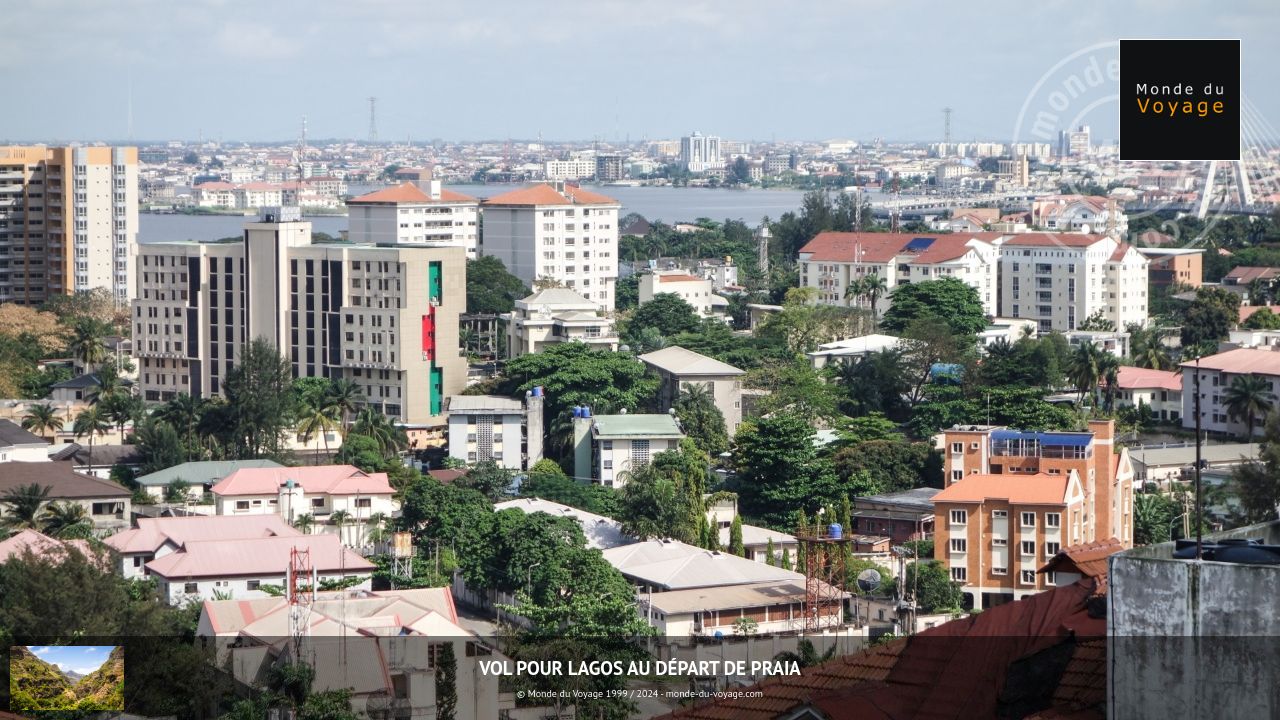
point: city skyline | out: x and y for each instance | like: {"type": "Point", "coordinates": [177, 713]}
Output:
{"type": "Point", "coordinates": [611, 71]}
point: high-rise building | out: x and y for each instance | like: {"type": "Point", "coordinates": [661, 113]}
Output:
{"type": "Point", "coordinates": [700, 152]}
{"type": "Point", "coordinates": [1075, 143]}
{"type": "Point", "coordinates": [556, 232]}
{"type": "Point", "coordinates": [608, 168]}
{"type": "Point", "coordinates": [413, 215]}
{"type": "Point", "coordinates": [385, 318]}
{"type": "Point", "coordinates": [68, 221]}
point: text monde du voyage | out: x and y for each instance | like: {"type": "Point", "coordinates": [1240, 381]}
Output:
{"type": "Point", "coordinates": [1180, 99]}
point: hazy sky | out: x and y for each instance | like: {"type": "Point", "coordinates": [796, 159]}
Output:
{"type": "Point", "coordinates": [569, 69]}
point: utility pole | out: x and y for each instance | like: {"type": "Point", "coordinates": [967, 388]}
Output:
{"type": "Point", "coordinates": [946, 126]}
{"type": "Point", "coordinates": [1199, 499]}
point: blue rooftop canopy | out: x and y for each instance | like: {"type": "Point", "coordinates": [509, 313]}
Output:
{"type": "Point", "coordinates": [1044, 438]}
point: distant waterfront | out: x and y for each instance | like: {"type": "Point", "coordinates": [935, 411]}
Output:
{"type": "Point", "coordinates": [668, 204]}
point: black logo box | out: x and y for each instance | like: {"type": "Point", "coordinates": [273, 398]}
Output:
{"type": "Point", "coordinates": [1187, 69]}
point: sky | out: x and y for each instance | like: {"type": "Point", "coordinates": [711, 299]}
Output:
{"type": "Point", "coordinates": [574, 69]}
{"type": "Point", "coordinates": [83, 659]}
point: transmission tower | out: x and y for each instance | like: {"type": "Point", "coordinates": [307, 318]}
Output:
{"type": "Point", "coordinates": [824, 550]}
{"type": "Point", "coordinates": [946, 126]}
{"type": "Point", "coordinates": [373, 119]}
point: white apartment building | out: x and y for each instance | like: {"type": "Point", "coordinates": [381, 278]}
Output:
{"type": "Point", "coordinates": [501, 429]}
{"type": "Point", "coordinates": [1160, 391]}
{"type": "Point", "coordinates": [1061, 279]}
{"type": "Point", "coordinates": [407, 215]}
{"type": "Point", "coordinates": [699, 153]}
{"type": "Point", "coordinates": [383, 317]}
{"type": "Point", "coordinates": [68, 221]}
{"type": "Point", "coordinates": [556, 315]}
{"type": "Point", "coordinates": [832, 261]}
{"type": "Point", "coordinates": [679, 368]}
{"type": "Point", "coordinates": [1079, 214]}
{"type": "Point", "coordinates": [607, 447]}
{"type": "Point", "coordinates": [556, 232]}
{"type": "Point", "coordinates": [1216, 374]}
{"type": "Point", "coordinates": [696, 291]}
{"type": "Point", "coordinates": [578, 168]}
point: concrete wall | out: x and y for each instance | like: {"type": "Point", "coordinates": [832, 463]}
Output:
{"type": "Point", "coordinates": [1193, 639]}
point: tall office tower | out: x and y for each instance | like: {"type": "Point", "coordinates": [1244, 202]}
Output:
{"type": "Point", "coordinates": [700, 152]}
{"type": "Point", "coordinates": [556, 232]}
{"type": "Point", "coordinates": [68, 221]}
{"type": "Point", "coordinates": [385, 318]}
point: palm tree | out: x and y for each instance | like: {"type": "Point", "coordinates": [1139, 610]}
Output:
{"type": "Point", "coordinates": [86, 344]}
{"type": "Point", "coordinates": [345, 397]}
{"type": "Point", "coordinates": [1111, 376]}
{"type": "Point", "coordinates": [1148, 348]}
{"type": "Point", "coordinates": [108, 383]}
{"type": "Point", "coordinates": [91, 421]}
{"type": "Point", "coordinates": [855, 289]}
{"type": "Point", "coordinates": [317, 420]}
{"type": "Point", "coordinates": [304, 523]}
{"type": "Point", "coordinates": [66, 520]}
{"type": "Point", "coordinates": [376, 528]}
{"type": "Point", "coordinates": [806, 654]}
{"type": "Point", "coordinates": [183, 412]}
{"type": "Point", "coordinates": [340, 519]}
{"type": "Point", "coordinates": [873, 286]}
{"type": "Point", "coordinates": [24, 504]}
{"type": "Point", "coordinates": [42, 419]}
{"type": "Point", "coordinates": [1248, 396]}
{"type": "Point", "coordinates": [121, 408]}
{"type": "Point", "coordinates": [1087, 368]}
{"type": "Point", "coordinates": [370, 421]}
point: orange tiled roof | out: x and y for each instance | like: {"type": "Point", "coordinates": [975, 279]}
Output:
{"type": "Point", "coordinates": [409, 193]}
{"type": "Point", "coordinates": [1241, 361]}
{"type": "Point", "coordinates": [1037, 489]}
{"type": "Point", "coordinates": [833, 246]}
{"type": "Point", "coordinates": [1088, 559]}
{"type": "Point", "coordinates": [678, 278]}
{"type": "Point", "coordinates": [544, 194]}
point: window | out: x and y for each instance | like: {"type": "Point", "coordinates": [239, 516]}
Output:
{"type": "Point", "coordinates": [1053, 520]}
{"type": "Point", "coordinates": [1028, 519]}
{"type": "Point", "coordinates": [957, 475]}
{"type": "Point", "coordinates": [191, 588]}
{"type": "Point", "coordinates": [364, 502]}
{"type": "Point", "coordinates": [959, 574]}
{"type": "Point", "coordinates": [137, 561]}
{"type": "Point", "coordinates": [606, 444]}
{"type": "Point", "coordinates": [999, 542]}
{"type": "Point", "coordinates": [999, 514]}
{"type": "Point", "coordinates": [959, 545]}
{"type": "Point", "coordinates": [1029, 547]}
{"type": "Point", "coordinates": [317, 502]}
{"type": "Point", "coordinates": [253, 584]}
{"type": "Point", "coordinates": [242, 505]}
{"type": "Point", "coordinates": [608, 464]}
{"type": "Point", "coordinates": [999, 571]}
{"type": "Point", "coordinates": [1051, 549]}
{"type": "Point", "coordinates": [957, 447]}
{"type": "Point", "coordinates": [959, 517]}
{"type": "Point", "coordinates": [1028, 577]}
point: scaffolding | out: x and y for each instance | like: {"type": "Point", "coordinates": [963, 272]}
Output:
{"type": "Point", "coordinates": [824, 556]}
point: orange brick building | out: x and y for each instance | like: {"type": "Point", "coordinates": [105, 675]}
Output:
{"type": "Point", "coordinates": [1014, 498]}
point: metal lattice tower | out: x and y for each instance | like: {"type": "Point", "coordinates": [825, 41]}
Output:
{"type": "Point", "coordinates": [946, 125]}
{"type": "Point", "coordinates": [373, 119]}
{"type": "Point", "coordinates": [301, 597]}
{"type": "Point", "coordinates": [824, 555]}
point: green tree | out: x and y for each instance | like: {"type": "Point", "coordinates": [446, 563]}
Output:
{"type": "Point", "coordinates": [932, 587]}
{"type": "Point", "coordinates": [1257, 484]}
{"type": "Point", "coordinates": [667, 313]}
{"type": "Point", "coordinates": [1262, 319]}
{"type": "Point", "coordinates": [159, 445]}
{"type": "Point", "coordinates": [373, 423]}
{"type": "Point", "coordinates": [626, 293]}
{"type": "Point", "coordinates": [183, 413]}
{"type": "Point", "coordinates": [87, 345]}
{"type": "Point", "coordinates": [446, 683]}
{"type": "Point", "coordinates": [779, 470]}
{"type": "Point", "coordinates": [1153, 517]}
{"type": "Point", "coordinates": [795, 386]}
{"type": "Point", "coordinates": [805, 655]}
{"type": "Point", "coordinates": [176, 491]}
{"type": "Point", "coordinates": [547, 481]}
{"type": "Point", "coordinates": [345, 398]}
{"type": "Point", "coordinates": [1209, 319]}
{"type": "Point", "coordinates": [875, 383]}
{"type": "Point", "coordinates": [1248, 397]}
{"type": "Point", "coordinates": [488, 478]}
{"type": "Point", "coordinates": [927, 342]}
{"type": "Point", "coordinates": [361, 451]}
{"type": "Point", "coordinates": [663, 499]}
{"type": "Point", "coordinates": [328, 705]}
{"type": "Point", "coordinates": [91, 422]}
{"type": "Point", "coordinates": [1098, 322]}
{"type": "Point", "coordinates": [700, 419]}
{"type": "Point", "coordinates": [1148, 347]}
{"type": "Point", "coordinates": [888, 466]}
{"type": "Point", "coordinates": [735, 537]}
{"type": "Point", "coordinates": [66, 520]}
{"type": "Point", "coordinates": [258, 392]}
{"type": "Point", "coordinates": [305, 523]}
{"type": "Point", "coordinates": [949, 299]}
{"type": "Point", "coordinates": [491, 289]}
{"type": "Point", "coordinates": [44, 420]}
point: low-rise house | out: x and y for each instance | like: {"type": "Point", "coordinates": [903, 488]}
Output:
{"type": "Point", "coordinates": [199, 475]}
{"type": "Point", "coordinates": [606, 447]}
{"type": "Point", "coordinates": [19, 445]}
{"type": "Point", "coordinates": [556, 315]}
{"type": "Point", "coordinates": [602, 532]}
{"type": "Point", "coordinates": [320, 491]}
{"type": "Point", "coordinates": [1216, 373]}
{"type": "Point", "coordinates": [385, 648]}
{"type": "Point", "coordinates": [1113, 342]}
{"type": "Point", "coordinates": [756, 542]}
{"type": "Point", "coordinates": [901, 516]}
{"type": "Point", "coordinates": [1163, 465]}
{"type": "Point", "coordinates": [695, 290]}
{"type": "Point", "coordinates": [106, 502]}
{"type": "Point", "coordinates": [1160, 391]}
{"type": "Point", "coordinates": [41, 546]}
{"type": "Point", "coordinates": [102, 461]}
{"type": "Point", "coordinates": [851, 350]}
{"type": "Point", "coordinates": [157, 537]}
{"type": "Point", "coordinates": [488, 427]}
{"type": "Point", "coordinates": [237, 569]}
{"type": "Point", "coordinates": [679, 369]}
{"type": "Point", "coordinates": [81, 387]}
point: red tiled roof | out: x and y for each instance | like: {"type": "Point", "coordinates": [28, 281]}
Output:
{"type": "Point", "coordinates": [544, 194]}
{"type": "Point", "coordinates": [1244, 274]}
{"type": "Point", "coordinates": [882, 247]}
{"type": "Point", "coordinates": [1088, 559]}
{"type": "Point", "coordinates": [409, 193]}
{"type": "Point", "coordinates": [678, 278]}
{"type": "Point", "coordinates": [1241, 361]}
{"type": "Point", "coordinates": [325, 479]}
{"type": "Point", "coordinates": [446, 475]}
{"type": "Point", "coordinates": [1135, 378]}
{"type": "Point", "coordinates": [1037, 489]}
{"type": "Point", "coordinates": [1121, 250]}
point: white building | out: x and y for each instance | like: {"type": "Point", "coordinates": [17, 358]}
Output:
{"type": "Point", "coordinates": [606, 447]}
{"type": "Point", "coordinates": [385, 318]}
{"type": "Point", "coordinates": [1160, 391]}
{"type": "Point", "coordinates": [1079, 213]}
{"type": "Point", "coordinates": [679, 369]}
{"type": "Point", "coordinates": [157, 537]}
{"type": "Point", "coordinates": [602, 532]}
{"type": "Point", "coordinates": [833, 261]}
{"type": "Point", "coordinates": [406, 215]}
{"type": "Point", "coordinates": [557, 232]}
{"type": "Point", "coordinates": [318, 491]}
{"type": "Point", "coordinates": [1061, 279]}
{"type": "Point", "coordinates": [19, 445]}
{"type": "Point", "coordinates": [501, 429]}
{"type": "Point", "coordinates": [1216, 373]}
{"type": "Point", "coordinates": [696, 291]}
{"type": "Point", "coordinates": [556, 315]}
{"type": "Point", "coordinates": [851, 350]}
{"type": "Point", "coordinates": [699, 153]}
{"type": "Point", "coordinates": [578, 168]}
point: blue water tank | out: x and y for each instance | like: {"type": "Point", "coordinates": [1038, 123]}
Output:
{"type": "Point", "coordinates": [835, 531]}
{"type": "Point", "coordinates": [537, 391]}
{"type": "Point", "coordinates": [586, 411]}
{"type": "Point", "coordinates": [577, 411]}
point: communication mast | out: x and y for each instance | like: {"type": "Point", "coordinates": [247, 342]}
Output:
{"type": "Point", "coordinates": [373, 119]}
{"type": "Point", "coordinates": [946, 126]}
{"type": "Point", "coordinates": [895, 215]}
{"type": "Point", "coordinates": [301, 590]}
{"type": "Point", "coordinates": [762, 245]}
{"type": "Point", "coordinates": [823, 551]}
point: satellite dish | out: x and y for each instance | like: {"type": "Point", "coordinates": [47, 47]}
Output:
{"type": "Point", "coordinates": [869, 579]}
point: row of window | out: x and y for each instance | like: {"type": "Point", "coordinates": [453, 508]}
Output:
{"type": "Point", "coordinates": [1028, 547]}
{"type": "Point", "coordinates": [1052, 520]}
{"type": "Point", "coordinates": [1027, 577]}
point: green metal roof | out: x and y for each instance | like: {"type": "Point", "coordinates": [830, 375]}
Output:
{"type": "Point", "coordinates": [640, 426]}
{"type": "Point", "coordinates": [200, 473]}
